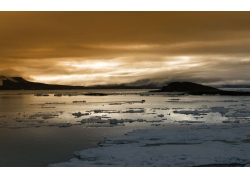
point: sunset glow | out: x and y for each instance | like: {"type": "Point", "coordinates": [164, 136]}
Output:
{"type": "Point", "coordinates": [86, 48]}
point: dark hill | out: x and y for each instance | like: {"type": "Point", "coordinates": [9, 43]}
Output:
{"type": "Point", "coordinates": [187, 87]}
{"type": "Point", "coordinates": [198, 89]}
{"type": "Point", "coordinates": [18, 83]}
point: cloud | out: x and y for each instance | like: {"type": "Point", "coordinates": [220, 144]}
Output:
{"type": "Point", "coordinates": [66, 47]}
{"type": "Point", "coordinates": [10, 72]}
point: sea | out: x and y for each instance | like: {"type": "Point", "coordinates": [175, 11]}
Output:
{"type": "Point", "coordinates": [39, 128]}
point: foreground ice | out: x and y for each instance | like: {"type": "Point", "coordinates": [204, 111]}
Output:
{"type": "Point", "coordinates": [201, 145]}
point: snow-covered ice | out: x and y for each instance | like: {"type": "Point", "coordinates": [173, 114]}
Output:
{"type": "Point", "coordinates": [186, 146]}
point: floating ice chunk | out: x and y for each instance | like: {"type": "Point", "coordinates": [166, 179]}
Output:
{"type": "Point", "coordinates": [96, 119]}
{"type": "Point", "coordinates": [156, 124]}
{"type": "Point", "coordinates": [48, 116]}
{"type": "Point", "coordinates": [226, 121]}
{"type": "Point", "coordinates": [42, 115]}
{"type": "Point", "coordinates": [126, 120]}
{"type": "Point", "coordinates": [79, 114]}
{"type": "Point", "coordinates": [41, 94]}
{"type": "Point", "coordinates": [165, 108]}
{"type": "Point", "coordinates": [115, 103]}
{"type": "Point", "coordinates": [79, 101]}
{"type": "Point", "coordinates": [134, 111]}
{"type": "Point", "coordinates": [113, 121]}
{"type": "Point", "coordinates": [55, 103]}
{"type": "Point", "coordinates": [59, 95]}
{"type": "Point", "coordinates": [105, 111]}
{"type": "Point", "coordinates": [96, 94]}
{"type": "Point", "coordinates": [189, 121]}
{"type": "Point", "coordinates": [194, 112]}
{"type": "Point", "coordinates": [154, 121]}
{"type": "Point", "coordinates": [59, 124]}
{"type": "Point", "coordinates": [98, 111]}
{"type": "Point", "coordinates": [140, 120]}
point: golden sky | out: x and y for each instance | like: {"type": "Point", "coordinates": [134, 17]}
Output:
{"type": "Point", "coordinates": [89, 48]}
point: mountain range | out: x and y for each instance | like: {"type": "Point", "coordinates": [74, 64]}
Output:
{"type": "Point", "coordinates": [19, 83]}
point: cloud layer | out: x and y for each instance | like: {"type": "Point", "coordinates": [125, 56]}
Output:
{"type": "Point", "coordinates": [87, 48]}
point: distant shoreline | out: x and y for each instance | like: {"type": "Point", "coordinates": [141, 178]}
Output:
{"type": "Point", "coordinates": [198, 89]}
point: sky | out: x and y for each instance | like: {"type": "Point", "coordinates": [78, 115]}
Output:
{"type": "Point", "coordinates": [98, 48]}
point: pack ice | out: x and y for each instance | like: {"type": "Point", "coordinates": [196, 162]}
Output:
{"type": "Point", "coordinates": [205, 145]}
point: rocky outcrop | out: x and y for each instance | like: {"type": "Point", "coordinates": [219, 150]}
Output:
{"type": "Point", "coordinates": [187, 87]}
{"type": "Point", "coordinates": [198, 89]}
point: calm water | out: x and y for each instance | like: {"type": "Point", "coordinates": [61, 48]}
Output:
{"type": "Point", "coordinates": [41, 130]}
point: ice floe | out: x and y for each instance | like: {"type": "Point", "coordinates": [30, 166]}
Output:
{"type": "Point", "coordinates": [79, 114]}
{"type": "Point", "coordinates": [139, 110]}
{"type": "Point", "coordinates": [41, 94]}
{"type": "Point", "coordinates": [196, 146]}
{"type": "Point", "coordinates": [94, 119]}
{"type": "Point", "coordinates": [59, 94]}
{"type": "Point", "coordinates": [79, 101]}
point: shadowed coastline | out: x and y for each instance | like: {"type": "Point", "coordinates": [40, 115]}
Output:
{"type": "Point", "coordinates": [19, 83]}
{"type": "Point", "coordinates": [198, 89]}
